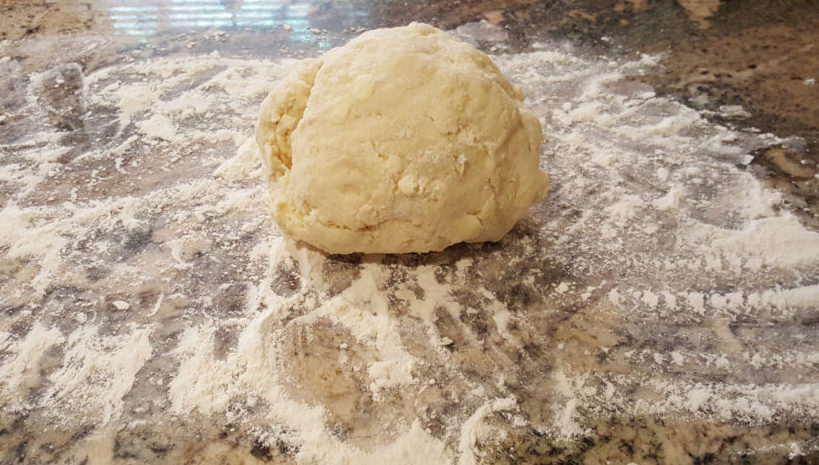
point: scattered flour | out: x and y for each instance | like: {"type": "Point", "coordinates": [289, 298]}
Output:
{"type": "Point", "coordinates": [158, 280]}
{"type": "Point", "coordinates": [158, 126]}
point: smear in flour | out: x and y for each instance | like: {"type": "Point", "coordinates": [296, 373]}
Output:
{"type": "Point", "coordinates": [143, 282]}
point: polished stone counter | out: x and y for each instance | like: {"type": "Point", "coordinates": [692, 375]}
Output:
{"type": "Point", "coordinates": [660, 306]}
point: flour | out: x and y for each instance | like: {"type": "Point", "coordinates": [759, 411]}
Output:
{"type": "Point", "coordinates": [143, 279]}
{"type": "Point", "coordinates": [23, 370]}
{"type": "Point", "coordinates": [566, 410]}
{"type": "Point", "coordinates": [158, 126]}
{"type": "Point", "coordinates": [474, 429]}
{"type": "Point", "coordinates": [778, 242]}
{"type": "Point", "coordinates": [97, 372]}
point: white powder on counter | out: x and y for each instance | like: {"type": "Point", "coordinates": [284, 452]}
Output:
{"type": "Point", "coordinates": [145, 282]}
{"type": "Point", "coordinates": [97, 372]}
{"type": "Point", "coordinates": [474, 429]}
{"type": "Point", "coordinates": [22, 371]}
{"type": "Point", "coordinates": [158, 126]}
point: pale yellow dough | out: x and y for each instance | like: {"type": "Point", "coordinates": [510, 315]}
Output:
{"type": "Point", "coordinates": [403, 140]}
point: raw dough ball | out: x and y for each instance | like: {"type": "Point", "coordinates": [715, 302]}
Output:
{"type": "Point", "coordinates": [403, 140]}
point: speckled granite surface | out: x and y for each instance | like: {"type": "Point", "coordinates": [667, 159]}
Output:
{"type": "Point", "coordinates": [659, 307]}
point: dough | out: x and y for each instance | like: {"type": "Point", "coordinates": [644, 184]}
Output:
{"type": "Point", "coordinates": [403, 140]}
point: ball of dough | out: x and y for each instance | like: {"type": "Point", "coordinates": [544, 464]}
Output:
{"type": "Point", "coordinates": [403, 140]}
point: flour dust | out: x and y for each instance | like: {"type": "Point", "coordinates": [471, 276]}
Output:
{"type": "Point", "coordinates": [148, 300]}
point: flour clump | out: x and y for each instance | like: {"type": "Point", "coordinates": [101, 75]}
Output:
{"type": "Point", "coordinates": [403, 140]}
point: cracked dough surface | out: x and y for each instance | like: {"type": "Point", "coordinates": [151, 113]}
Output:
{"type": "Point", "coordinates": [403, 140]}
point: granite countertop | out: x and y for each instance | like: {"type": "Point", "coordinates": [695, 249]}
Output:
{"type": "Point", "coordinates": [659, 306]}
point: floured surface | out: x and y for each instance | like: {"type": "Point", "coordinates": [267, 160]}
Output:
{"type": "Point", "coordinates": [659, 305]}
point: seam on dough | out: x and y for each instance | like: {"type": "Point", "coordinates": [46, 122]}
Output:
{"type": "Point", "coordinates": [368, 228]}
{"type": "Point", "coordinates": [301, 115]}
